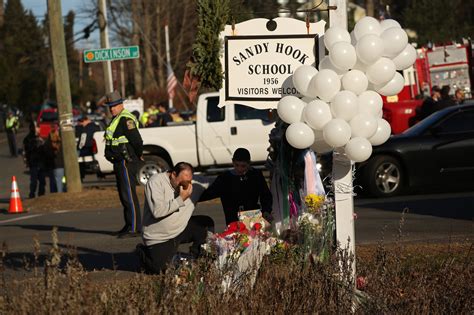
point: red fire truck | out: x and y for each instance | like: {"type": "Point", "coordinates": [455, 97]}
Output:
{"type": "Point", "coordinates": [451, 65]}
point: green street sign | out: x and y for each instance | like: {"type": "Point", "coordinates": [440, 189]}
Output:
{"type": "Point", "coordinates": [106, 54]}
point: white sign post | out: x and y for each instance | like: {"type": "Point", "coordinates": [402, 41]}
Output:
{"type": "Point", "coordinates": [261, 55]}
{"type": "Point", "coordinates": [342, 167]}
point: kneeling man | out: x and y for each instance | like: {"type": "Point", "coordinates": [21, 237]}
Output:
{"type": "Point", "coordinates": [167, 218]}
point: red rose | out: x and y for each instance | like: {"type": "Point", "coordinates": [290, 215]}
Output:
{"type": "Point", "coordinates": [361, 283]}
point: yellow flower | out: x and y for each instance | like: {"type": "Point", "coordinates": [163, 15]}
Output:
{"type": "Point", "coordinates": [313, 202]}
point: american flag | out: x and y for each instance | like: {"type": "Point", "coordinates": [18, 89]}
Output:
{"type": "Point", "coordinates": [171, 82]}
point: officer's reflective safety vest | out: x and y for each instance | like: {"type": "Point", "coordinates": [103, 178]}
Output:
{"type": "Point", "coordinates": [109, 132]}
{"type": "Point", "coordinates": [11, 122]}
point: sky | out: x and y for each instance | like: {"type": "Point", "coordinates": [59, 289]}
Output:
{"type": "Point", "coordinates": [39, 8]}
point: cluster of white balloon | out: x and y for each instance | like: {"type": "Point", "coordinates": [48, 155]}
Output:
{"type": "Point", "coordinates": [342, 106]}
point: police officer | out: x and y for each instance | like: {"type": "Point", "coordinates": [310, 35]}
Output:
{"type": "Point", "coordinates": [11, 125]}
{"type": "Point", "coordinates": [124, 147]}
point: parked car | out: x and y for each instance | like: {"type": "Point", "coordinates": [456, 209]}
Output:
{"type": "Point", "coordinates": [436, 152]}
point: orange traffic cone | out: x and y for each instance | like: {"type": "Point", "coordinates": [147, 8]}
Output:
{"type": "Point", "coordinates": [15, 200]}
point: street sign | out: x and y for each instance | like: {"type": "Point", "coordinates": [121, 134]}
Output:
{"type": "Point", "coordinates": [111, 54]}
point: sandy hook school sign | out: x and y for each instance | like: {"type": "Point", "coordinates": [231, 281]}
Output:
{"type": "Point", "coordinates": [258, 63]}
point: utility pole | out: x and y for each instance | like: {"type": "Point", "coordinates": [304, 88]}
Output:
{"type": "Point", "coordinates": [104, 43]}
{"type": "Point", "coordinates": [63, 95]}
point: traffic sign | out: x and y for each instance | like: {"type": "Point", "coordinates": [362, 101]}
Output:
{"type": "Point", "coordinates": [116, 53]}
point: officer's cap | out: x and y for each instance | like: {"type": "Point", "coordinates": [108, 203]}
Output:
{"type": "Point", "coordinates": [113, 98]}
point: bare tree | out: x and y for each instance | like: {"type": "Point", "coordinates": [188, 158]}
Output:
{"type": "Point", "coordinates": [137, 67]}
{"type": "Point", "coordinates": [160, 54]}
{"type": "Point", "coordinates": [150, 84]}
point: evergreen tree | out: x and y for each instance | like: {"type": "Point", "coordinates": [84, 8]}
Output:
{"type": "Point", "coordinates": [22, 55]}
{"type": "Point", "coordinates": [206, 65]}
{"type": "Point", "coordinates": [437, 21]}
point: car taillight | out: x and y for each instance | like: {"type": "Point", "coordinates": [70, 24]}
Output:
{"type": "Point", "coordinates": [94, 146]}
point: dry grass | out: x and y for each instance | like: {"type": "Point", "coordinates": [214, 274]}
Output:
{"type": "Point", "coordinates": [421, 279]}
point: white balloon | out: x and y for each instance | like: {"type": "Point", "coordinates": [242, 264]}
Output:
{"type": "Point", "coordinates": [360, 66]}
{"type": "Point", "coordinates": [326, 84]}
{"type": "Point", "coordinates": [319, 145]}
{"type": "Point", "coordinates": [355, 81]}
{"type": "Point", "coordinates": [326, 63]}
{"type": "Point", "coordinates": [337, 132]}
{"type": "Point", "coordinates": [343, 55]}
{"type": "Point", "coordinates": [290, 109]}
{"type": "Point", "coordinates": [382, 134]}
{"type": "Point", "coordinates": [395, 40]}
{"type": "Point", "coordinates": [369, 48]}
{"type": "Point", "coordinates": [406, 58]}
{"type": "Point", "coordinates": [393, 87]}
{"type": "Point", "coordinates": [388, 23]}
{"type": "Point", "coordinates": [379, 114]}
{"type": "Point", "coordinates": [307, 99]}
{"type": "Point", "coordinates": [358, 149]}
{"type": "Point", "coordinates": [367, 25]}
{"type": "Point", "coordinates": [344, 105]}
{"type": "Point", "coordinates": [353, 39]}
{"type": "Point", "coordinates": [317, 114]}
{"type": "Point", "coordinates": [299, 135]}
{"type": "Point", "coordinates": [381, 71]}
{"type": "Point", "coordinates": [301, 78]}
{"type": "Point", "coordinates": [363, 125]}
{"type": "Point", "coordinates": [334, 35]}
{"type": "Point", "coordinates": [370, 102]}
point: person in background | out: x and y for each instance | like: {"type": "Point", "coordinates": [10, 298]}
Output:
{"type": "Point", "coordinates": [54, 152]}
{"type": "Point", "coordinates": [11, 126]}
{"type": "Point", "coordinates": [241, 188]}
{"type": "Point", "coordinates": [124, 149]}
{"type": "Point", "coordinates": [85, 145]}
{"type": "Point", "coordinates": [33, 152]}
{"type": "Point", "coordinates": [175, 116]}
{"type": "Point", "coordinates": [459, 97]}
{"type": "Point", "coordinates": [163, 116]}
{"type": "Point", "coordinates": [445, 100]}
{"type": "Point", "coordinates": [145, 119]}
{"type": "Point", "coordinates": [153, 121]}
{"type": "Point", "coordinates": [168, 220]}
{"type": "Point", "coordinates": [429, 105]}
{"type": "Point", "coordinates": [136, 113]}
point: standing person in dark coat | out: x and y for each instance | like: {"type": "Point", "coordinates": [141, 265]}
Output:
{"type": "Point", "coordinates": [54, 152]}
{"type": "Point", "coordinates": [446, 99]}
{"type": "Point", "coordinates": [85, 145]}
{"type": "Point", "coordinates": [124, 149]}
{"type": "Point", "coordinates": [429, 105]}
{"type": "Point", "coordinates": [33, 149]}
{"type": "Point", "coordinates": [242, 188]}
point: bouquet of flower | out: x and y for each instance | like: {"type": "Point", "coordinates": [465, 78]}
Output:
{"type": "Point", "coordinates": [314, 203]}
{"type": "Point", "coordinates": [317, 226]}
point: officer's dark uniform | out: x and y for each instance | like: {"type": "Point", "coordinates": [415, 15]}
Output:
{"type": "Point", "coordinates": [12, 124]}
{"type": "Point", "coordinates": [124, 147]}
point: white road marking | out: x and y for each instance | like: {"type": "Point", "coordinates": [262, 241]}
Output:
{"type": "Point", "coordinates": [26, 217]}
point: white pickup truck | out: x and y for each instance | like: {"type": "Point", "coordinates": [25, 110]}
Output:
{"type": "Point", "coordinates": [206, 143]}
